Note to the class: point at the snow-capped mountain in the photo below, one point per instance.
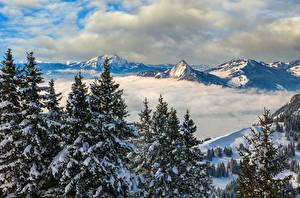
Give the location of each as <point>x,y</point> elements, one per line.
<point>240,73</point>
<point>118,65</point>
<point>94,66</point>
<point>183,71</point>
<point>247,73</point>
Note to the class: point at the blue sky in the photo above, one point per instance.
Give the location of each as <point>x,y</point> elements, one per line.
<point>152,31</point>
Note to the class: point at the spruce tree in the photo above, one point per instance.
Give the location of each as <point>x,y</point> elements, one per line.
<point>111,102</point>
<point>141,164</point>
<point>178,167</point>
<point>66,166</point>
<point>145,122</point>
<point>160,116</point>
<point>111,144</point>
<point>261,162</point>
<point>165,154</point>
<point>194,180</point>
<point>76,109</point>
<point>188,129</point>
<point>9,126</point>
<point>55,120</point>
<point>94,163</point>
<point>34,160</point>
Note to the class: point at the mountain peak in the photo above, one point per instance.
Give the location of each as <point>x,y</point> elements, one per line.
<point>182,62</point>
<point>180,70</point>
<point>99,60</point>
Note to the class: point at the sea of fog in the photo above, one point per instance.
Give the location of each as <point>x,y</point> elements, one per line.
<point>216,110</point>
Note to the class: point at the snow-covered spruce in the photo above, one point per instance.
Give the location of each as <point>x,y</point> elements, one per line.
<point>94,161</point>
<point>55,125</point>
<point>261,163</point>
<point>34,140</point>
<point>170,164</point>
<point>10,107</point>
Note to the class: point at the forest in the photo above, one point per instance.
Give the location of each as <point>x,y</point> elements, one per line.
<point>89,149</point>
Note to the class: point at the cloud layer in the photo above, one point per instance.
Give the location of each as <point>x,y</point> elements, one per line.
<point>152,31</point>
<point>215,110</point>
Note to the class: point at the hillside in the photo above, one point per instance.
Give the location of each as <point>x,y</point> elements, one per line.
<point>286,133</point>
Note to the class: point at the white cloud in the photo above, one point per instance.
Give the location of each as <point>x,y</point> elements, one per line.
<point>158,31</point>
<point>215,110</point>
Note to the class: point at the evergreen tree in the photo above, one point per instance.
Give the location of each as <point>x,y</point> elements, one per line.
<point>189,128</point>
<point>178,167</point>
<point>233,167</point>
<point>261,162</point>
<point>34,160</point>
<point>66,165</point>
<point>111,103</point>
<point>219,152</point>
<point>9,126</point>
<point>194,180</point>
<point>160,152</point>
<point>111,144</point>
<point>159,118</point>
<point>210,154</point>
<point>141,164</point>
<point>151,151</point>
<point>221,170</point>
<point>54,118</point>
<point>77,109</point>
<point>94,163</point>
<point>145,122</point>
<point>227,151</point>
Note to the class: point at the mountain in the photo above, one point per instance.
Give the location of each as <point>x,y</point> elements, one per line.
<point>240,73</point>
<point>286,133</point>
<point>118,65</point>
<point>183,71</point>
<point>94,66</point>
<point>247,73</point>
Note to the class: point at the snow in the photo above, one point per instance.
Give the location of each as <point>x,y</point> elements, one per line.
<point>27,150</point>
<point>180,69</point>
<point>287,173</point>
<point>59,158</point>
<point>175,170</point>
<point>295,70</point>
<point>222,182</point>
<point>238,81</point>
<point>5,104</point>
<point>232,139</point>
<point>34,173</point>
<point>229,69</point>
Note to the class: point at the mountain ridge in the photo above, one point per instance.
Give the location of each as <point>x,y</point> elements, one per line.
<point>236,73</point>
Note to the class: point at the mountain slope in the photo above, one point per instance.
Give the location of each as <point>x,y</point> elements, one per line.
<point>284,135</point>
<point>246,73</point>
<point>183,71</point>
<point>291,108</point>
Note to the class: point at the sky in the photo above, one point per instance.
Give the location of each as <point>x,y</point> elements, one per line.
<point>152,31</point>
<point>215,110</point>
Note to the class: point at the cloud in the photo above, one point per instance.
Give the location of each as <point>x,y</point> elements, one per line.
<point>215,110</point>
<point>154,31</point>
<point>278,40</point>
